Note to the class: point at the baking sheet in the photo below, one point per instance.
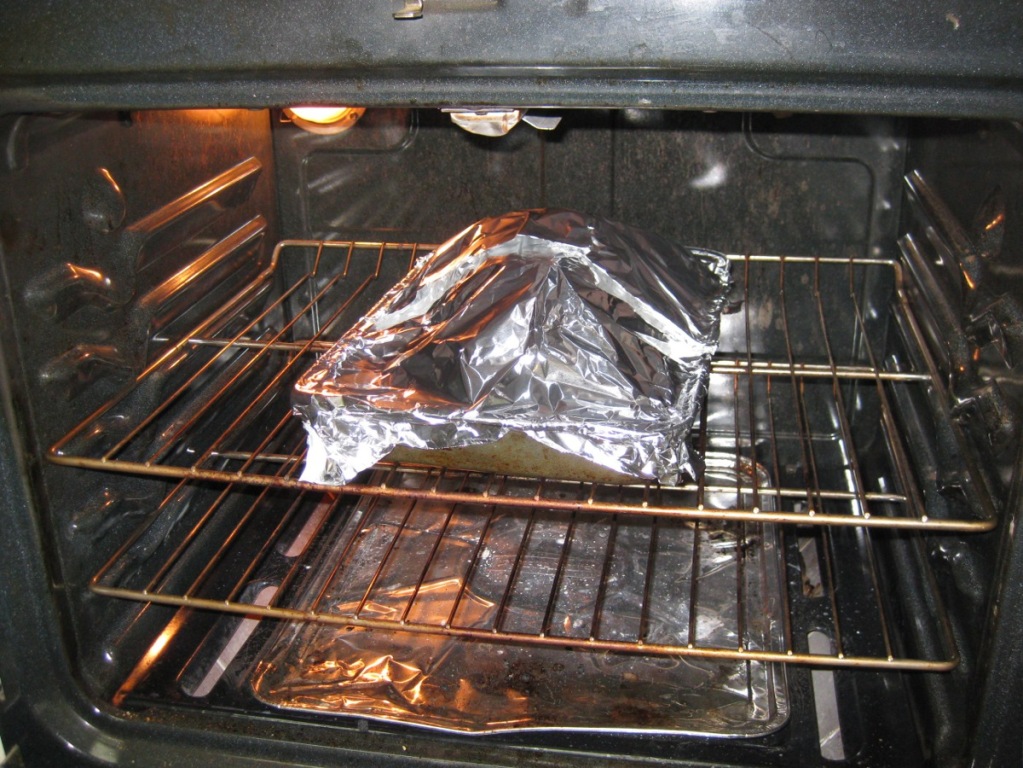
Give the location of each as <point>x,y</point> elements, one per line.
<point>473,686</point>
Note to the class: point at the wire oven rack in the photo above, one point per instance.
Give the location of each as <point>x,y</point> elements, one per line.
<point>719,590</point>
<point>799,385</point>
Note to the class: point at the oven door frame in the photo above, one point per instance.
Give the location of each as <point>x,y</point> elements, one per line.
<point>793,55</point>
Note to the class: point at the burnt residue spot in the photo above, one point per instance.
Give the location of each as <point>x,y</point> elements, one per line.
<point>532,678</point>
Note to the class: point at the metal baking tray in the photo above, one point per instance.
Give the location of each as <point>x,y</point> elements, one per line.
<point>541,620</point>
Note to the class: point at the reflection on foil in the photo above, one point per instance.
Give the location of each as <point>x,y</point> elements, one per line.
<point>531,572</point>
<point>587,336</point>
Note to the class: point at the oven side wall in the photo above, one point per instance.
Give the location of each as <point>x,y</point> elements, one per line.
<point>116,229</point>
<point>978,167</point>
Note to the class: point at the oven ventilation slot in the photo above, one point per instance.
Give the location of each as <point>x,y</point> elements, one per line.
<point>804,383</point>
<point>566,579</point>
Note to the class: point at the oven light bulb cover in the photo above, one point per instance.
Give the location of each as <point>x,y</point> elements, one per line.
<point>499,122</point>
<point>324,119</point>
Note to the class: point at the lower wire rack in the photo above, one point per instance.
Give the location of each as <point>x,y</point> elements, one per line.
<point>807,381</point>
<point>536,576</point>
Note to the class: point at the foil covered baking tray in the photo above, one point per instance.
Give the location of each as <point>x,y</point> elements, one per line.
<point>506,571</point>
<point>587,336</point>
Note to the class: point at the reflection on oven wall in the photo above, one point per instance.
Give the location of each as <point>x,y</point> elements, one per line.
<point>119,230</point>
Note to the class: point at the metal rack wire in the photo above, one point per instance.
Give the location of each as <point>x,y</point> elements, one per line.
<point>799,427</point>
<point>731,591</point>
<point>799,386</point>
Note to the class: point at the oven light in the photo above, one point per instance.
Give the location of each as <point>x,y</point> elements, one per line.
<point>324,119</point>
<point>320,115</point>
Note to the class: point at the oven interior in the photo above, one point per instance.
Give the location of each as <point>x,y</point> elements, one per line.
<point>168,274</point>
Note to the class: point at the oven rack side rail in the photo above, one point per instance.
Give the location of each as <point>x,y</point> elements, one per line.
<point>786,391</point>
<point>788,656</point>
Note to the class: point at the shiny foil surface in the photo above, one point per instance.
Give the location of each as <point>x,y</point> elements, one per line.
<point>401,560</point>
<point>588,336</point>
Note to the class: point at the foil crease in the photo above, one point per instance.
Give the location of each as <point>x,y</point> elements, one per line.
<point>393,562</point>
<point>588,336</point>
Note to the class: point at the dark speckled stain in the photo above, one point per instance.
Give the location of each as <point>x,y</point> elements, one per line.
<point>576,8</point>
<point>353,48</point>
<point>531,679</point>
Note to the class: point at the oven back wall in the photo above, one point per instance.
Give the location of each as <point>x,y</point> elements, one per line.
<point>116,229</point>
<point>738,183</point>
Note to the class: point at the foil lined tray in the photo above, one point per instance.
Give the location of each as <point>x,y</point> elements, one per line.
<point>539,571</point>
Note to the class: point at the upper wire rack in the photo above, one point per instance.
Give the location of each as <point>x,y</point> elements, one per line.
<point>809,379</point>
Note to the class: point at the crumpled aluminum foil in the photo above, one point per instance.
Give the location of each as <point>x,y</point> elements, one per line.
<point>416,564</point>
<point>588,336</point>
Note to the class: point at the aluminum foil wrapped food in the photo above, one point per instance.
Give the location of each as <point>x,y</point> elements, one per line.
<point>587,336</point>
